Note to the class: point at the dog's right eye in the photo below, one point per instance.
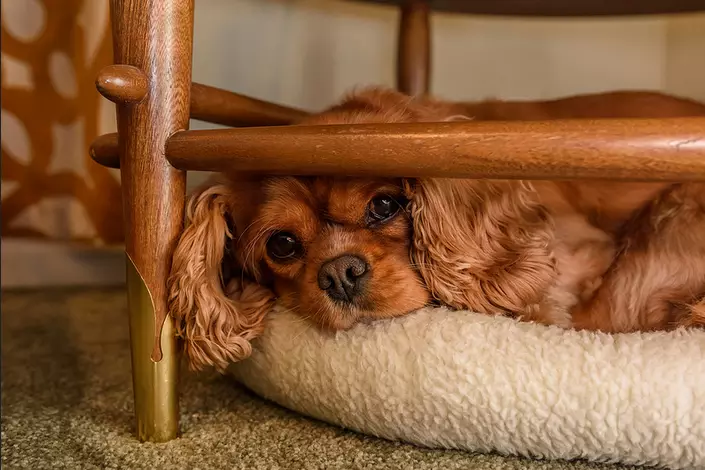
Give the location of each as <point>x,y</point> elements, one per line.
<point>382,208</point>
<point>283,246</point>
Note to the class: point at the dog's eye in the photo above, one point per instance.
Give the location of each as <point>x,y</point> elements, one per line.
<point>283,246</point>
<point>381,208</point>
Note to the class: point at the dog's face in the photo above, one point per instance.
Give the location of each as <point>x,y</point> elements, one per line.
<point>335,250</point>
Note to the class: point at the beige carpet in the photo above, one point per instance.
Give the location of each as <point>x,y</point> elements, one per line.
<point>67,403</point>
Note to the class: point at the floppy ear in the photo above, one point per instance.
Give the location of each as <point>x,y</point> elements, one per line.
<point>217,322</point>
<point>481,245</point>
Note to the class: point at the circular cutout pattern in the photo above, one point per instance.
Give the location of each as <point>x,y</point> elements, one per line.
<point>63,75</point>
<point>23,19</point>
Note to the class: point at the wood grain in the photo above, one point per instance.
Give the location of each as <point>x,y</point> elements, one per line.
<point>122,83</point>
<point>156,38</point>
<point>632,150</point>
<point>207,104</point>
<point>414,48</point>
<point>560,7</point>
<point>218,106</point>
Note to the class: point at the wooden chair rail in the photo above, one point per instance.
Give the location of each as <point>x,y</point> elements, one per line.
<point>124,84</point>
<point>560,8</point>
<point>224,107</point>
<point>633,149</point>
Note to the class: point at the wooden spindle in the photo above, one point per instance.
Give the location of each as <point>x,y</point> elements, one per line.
<point>414,48</point>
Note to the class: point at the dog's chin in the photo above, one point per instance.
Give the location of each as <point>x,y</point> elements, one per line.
<point>339,317</point>
<point>329,315</point>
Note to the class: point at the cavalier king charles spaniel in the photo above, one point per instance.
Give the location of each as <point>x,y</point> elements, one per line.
<point>596,255</point>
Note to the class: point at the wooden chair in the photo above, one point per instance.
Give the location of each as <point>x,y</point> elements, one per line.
<point>151,86</point>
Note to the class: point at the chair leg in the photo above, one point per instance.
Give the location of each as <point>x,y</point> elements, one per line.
<point>156,37</point>
<point>414,48</point>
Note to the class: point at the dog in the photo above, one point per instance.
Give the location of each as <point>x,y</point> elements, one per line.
<point>594,255</point>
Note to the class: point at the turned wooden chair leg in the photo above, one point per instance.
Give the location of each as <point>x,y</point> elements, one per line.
<point>150,84</point>
<point>414,48</point>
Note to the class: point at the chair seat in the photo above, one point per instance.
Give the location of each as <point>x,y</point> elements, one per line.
<point>561,7</point>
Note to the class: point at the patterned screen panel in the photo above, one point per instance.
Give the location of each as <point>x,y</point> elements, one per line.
<point>52,51</point>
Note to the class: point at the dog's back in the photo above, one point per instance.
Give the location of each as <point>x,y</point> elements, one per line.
<point>616,104</point>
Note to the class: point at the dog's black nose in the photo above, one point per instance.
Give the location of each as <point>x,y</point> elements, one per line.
<point>343,278</point>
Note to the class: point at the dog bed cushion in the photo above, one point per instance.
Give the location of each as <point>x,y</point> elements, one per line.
<point>459,380</point>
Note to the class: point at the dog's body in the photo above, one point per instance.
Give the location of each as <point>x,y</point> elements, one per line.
<point>597,255</point>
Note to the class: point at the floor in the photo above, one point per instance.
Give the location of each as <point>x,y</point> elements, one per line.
<point>67,403</point>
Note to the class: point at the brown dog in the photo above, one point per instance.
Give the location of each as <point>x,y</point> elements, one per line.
<point>616,257</point>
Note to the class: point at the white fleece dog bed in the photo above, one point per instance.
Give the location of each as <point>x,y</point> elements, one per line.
<point>460,380</point>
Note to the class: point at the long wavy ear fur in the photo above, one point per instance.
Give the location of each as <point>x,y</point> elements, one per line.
<point>481,245</point>
<point>217,322</point>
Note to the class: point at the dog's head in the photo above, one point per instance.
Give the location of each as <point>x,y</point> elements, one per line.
<point>335,250</point>
<point>338,250</point>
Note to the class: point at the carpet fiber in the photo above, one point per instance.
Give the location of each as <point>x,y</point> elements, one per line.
<point>67,403</point>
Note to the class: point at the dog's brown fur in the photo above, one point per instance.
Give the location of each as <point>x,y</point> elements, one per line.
<point>605,256</point>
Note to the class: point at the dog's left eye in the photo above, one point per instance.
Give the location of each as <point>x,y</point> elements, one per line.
<point>381,208</point>
<point>283,246</point>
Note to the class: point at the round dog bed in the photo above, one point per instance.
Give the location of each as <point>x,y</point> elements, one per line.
<point>459,380</point>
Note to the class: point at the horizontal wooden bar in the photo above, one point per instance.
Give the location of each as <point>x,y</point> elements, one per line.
<point>561,8</point>
<point>643,149</point>
<point>219,106</point>
<point>635,149</point>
